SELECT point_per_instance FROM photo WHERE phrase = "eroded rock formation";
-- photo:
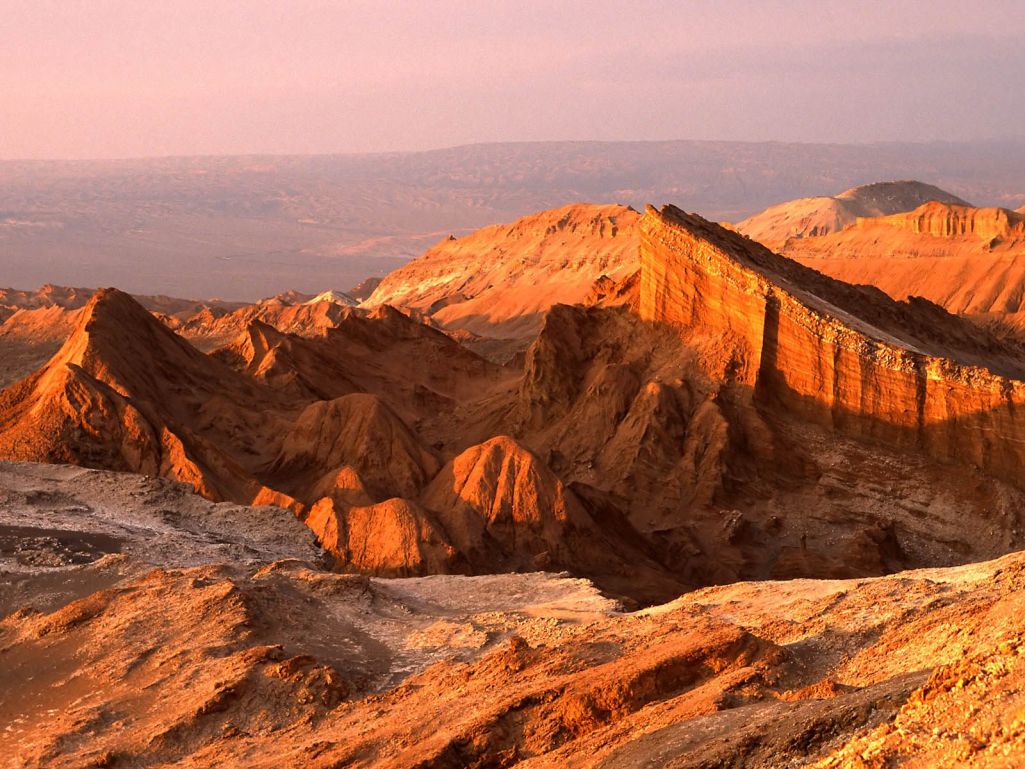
(722, 413)
(968, 260)
(499, 281)
(839, 355)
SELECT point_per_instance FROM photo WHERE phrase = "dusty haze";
(248, 227)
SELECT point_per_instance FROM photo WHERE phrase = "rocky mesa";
(825, 215)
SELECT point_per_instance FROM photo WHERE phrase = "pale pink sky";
(109, 78)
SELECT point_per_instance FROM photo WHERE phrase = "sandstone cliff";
(742, 421)
(842, 356)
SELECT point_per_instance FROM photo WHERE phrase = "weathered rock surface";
(393, 538)
(722, 414)
(34, 324)
(766, 421)
(500, 280)
(819, 216)
(141, 659)
(904, 374)
(124, 393)
(968, 260)
(357, 431)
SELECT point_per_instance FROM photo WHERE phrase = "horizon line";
(468, 145)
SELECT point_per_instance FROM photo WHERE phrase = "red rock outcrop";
(968, 260)
(499, 491)
(125, 393)
(500, 280)
(34, 324)
(393, 538)
(366, 352)
(842, 356)
(716, 421)
(359, 432)
(499, 504)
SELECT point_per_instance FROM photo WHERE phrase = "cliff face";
(836, 354)
(948, 221)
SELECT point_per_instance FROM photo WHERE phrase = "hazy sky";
(112, 78)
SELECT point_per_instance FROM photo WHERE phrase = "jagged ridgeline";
(710, 412)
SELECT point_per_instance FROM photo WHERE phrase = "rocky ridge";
(500, 280)
(843, 356)
(689, 423)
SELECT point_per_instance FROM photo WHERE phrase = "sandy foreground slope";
(143, 626)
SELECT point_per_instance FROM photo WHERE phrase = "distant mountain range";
(249, 227)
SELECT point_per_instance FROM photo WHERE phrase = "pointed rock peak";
(115, 303)
(393, 538)
(495, 456)
(360, 431)
(388, 312)
(120, 325)
(264, 333)
(502, 481)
